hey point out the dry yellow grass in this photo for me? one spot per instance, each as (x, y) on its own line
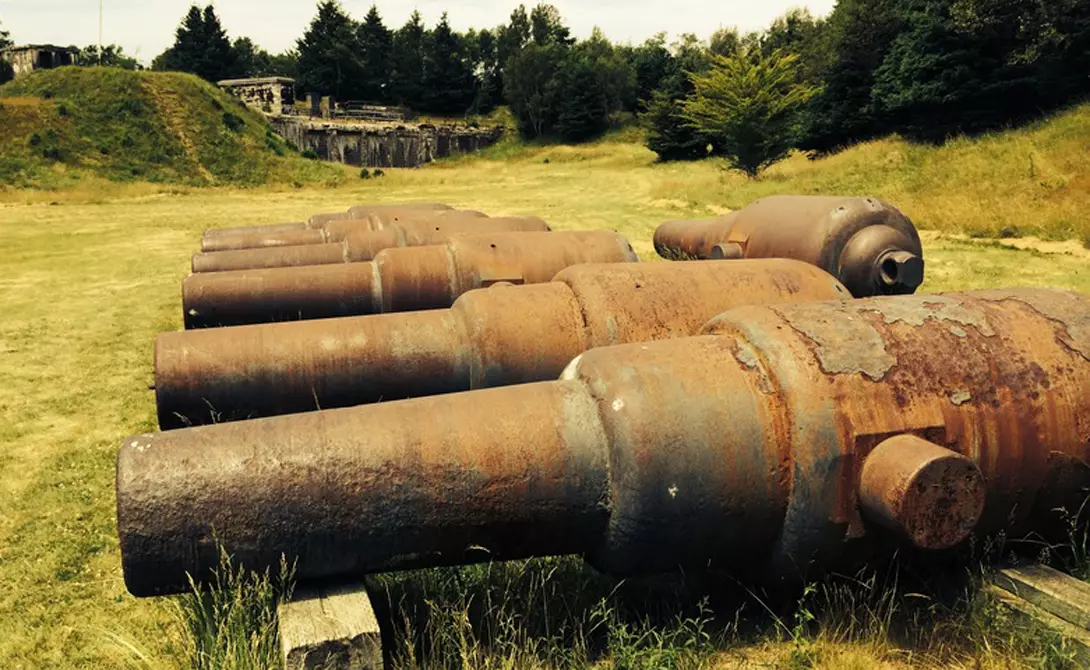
(89, 276)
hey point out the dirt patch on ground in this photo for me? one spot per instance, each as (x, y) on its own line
(1065, 248)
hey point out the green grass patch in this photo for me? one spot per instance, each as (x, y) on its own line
(57, 125)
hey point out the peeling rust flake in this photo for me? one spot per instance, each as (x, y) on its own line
(1066, 308)
(847, 342)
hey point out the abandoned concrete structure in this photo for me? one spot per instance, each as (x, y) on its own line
(30, 57)
(382, 145)
(360, 134)
(272, 95)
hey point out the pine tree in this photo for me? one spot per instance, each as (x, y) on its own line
(216, 59)
(200, 47)
(668, 133)
(547, 26)
(376, 45)
(329, 54)
(5, 38)
(449, 83)
(582, 109)
(490, 73)
(251, 60)
(652, 63)
(409, 75)
(860, 34)
(6, 71)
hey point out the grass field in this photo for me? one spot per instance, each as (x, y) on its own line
(89, 275)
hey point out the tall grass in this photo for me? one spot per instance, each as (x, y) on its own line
(231, 624)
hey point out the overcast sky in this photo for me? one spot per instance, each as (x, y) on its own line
(146, 27)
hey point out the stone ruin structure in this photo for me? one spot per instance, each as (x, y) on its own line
(382, 145)
(355, 133)
(29, 57)
(271, 95)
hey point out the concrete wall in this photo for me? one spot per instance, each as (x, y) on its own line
(383, 146)
(27, 59)
(271, 98)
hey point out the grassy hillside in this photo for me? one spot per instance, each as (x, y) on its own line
(58, 126)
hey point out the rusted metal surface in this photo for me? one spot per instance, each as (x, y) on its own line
(867, 244)
(262, 239)
(740, 450)
(491, 337)
(280, 294)
(215, 238)
(353, 241)
(930, 495)
(273, 257)
(395, 220)
(248, 230)
(405, 279)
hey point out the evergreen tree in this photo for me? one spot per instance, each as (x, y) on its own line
(409, 63)
(530, 87)
(328, 62)
(188, 37)
(376, 45)
(972, 65)
(547, 26)
(860, 34)
(112, 55)
(216, 58)
(200, 47)
(651, 62)
(668, 133)
(5, 38)
(449, 83)
(285, 64)
(6, 71)
(614, 75)
(582, 107)
(489, 72)
(799, 32)
(725, 42)
(252, 60)
(749, 106)
(510, 40)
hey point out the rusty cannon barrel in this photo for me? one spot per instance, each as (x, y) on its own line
(398, 280)
(222, 239)
(492, 337)
(355, 244)
(385, 220)
(786, 438)
(867, 244)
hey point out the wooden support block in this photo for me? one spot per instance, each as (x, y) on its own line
(331, 629)
(1027, 614)
(1051, 590)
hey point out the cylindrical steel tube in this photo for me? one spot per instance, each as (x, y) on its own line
(280, 294)
(213, 233)
(274, 257)
(262, 239)
(405, 279)
(739, 450)
(495, 337)
(359, 242)
(316, 221)
(438, 490)
(867, 244)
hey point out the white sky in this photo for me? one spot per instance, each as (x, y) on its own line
(146, 27)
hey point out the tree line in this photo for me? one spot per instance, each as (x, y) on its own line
(927, 69)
